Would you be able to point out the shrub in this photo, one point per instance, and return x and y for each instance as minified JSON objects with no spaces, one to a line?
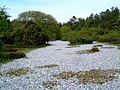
{"x":14,"y":55}
{"x":15,"y":46}
{"x":11,"y":49}
{"x":1,"y":48}
{"x":111,"y":37}
{"x":80,"y":37}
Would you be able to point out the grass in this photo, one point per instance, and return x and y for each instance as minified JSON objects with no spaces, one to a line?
{"x":48,"y":66}
{"x":18,"y":72}
{"x":50,"y":84}
{"x":93,"y":50}
{"x":96,"y":76}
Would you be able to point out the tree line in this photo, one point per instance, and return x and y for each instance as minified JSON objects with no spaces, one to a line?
{"x":103,"y":27}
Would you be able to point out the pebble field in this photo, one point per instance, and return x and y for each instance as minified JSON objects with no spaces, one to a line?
{"x":38,"y":69}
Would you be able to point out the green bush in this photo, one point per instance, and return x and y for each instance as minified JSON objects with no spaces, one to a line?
{"x":79,"y":37}
{"x":111,"y":37}
{"x":15,"y":46}
{"x":1,"y":48}
{"x":14,"y":55}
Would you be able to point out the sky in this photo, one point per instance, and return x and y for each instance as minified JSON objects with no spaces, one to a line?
{"x":61,"y":10}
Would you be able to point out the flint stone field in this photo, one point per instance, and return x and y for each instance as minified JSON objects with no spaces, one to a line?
{"x":64,"y":67}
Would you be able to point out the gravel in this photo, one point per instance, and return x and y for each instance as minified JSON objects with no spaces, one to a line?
{"x":67,"y":60}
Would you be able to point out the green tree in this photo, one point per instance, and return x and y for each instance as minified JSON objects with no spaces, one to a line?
{"x":4,"y":23}
{"x":45,"y":21}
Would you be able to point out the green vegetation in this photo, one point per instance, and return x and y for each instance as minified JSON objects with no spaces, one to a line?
{"x":102,"y":27}
{"x":32,"y":29}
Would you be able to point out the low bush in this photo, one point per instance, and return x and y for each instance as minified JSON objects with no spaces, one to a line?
{"x":1,"y":48}
{"x":14,"y":55}
{"x":112,"y":37}
{"x":15,"y":46}
{"x":79,"y":37}
{"x":11,"y":49}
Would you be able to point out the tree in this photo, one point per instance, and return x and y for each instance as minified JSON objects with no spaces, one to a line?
{"x":45,"y":21}
{"x":4,"y":25}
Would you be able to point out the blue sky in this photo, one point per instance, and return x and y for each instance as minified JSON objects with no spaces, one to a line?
{"x":61,"y":10}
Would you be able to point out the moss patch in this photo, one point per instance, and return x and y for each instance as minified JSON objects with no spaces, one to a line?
{"x":93,"y":50}
{"x":48,"y":66}
{"x":50,"y":84}
{"x":93,"y":76}
{"x":18,"y":72}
